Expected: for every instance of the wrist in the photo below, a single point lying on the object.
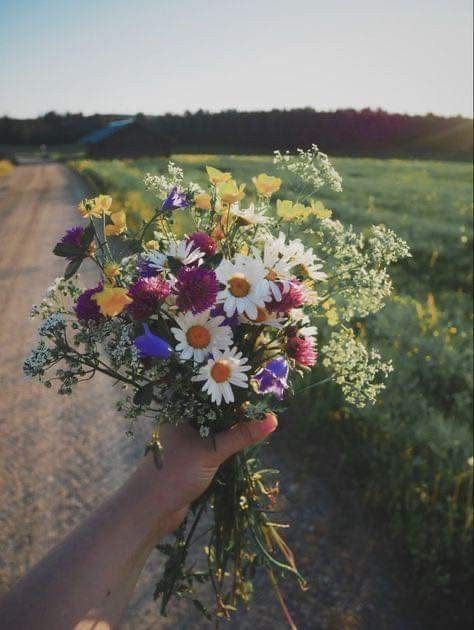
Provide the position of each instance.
(155, 503)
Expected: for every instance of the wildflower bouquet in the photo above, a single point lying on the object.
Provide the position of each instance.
(219, 325)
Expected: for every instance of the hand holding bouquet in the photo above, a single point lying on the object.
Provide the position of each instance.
(218, 325)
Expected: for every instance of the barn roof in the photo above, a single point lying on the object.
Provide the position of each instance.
(105, 132)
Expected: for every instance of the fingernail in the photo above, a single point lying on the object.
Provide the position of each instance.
(269, 423)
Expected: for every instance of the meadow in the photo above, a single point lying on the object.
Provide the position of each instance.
(410, 454)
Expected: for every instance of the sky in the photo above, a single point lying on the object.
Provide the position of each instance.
(157, 56)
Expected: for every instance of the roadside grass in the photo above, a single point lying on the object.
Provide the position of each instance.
(410, 454)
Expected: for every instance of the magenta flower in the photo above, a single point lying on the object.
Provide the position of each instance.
(293, 298)
(146, 294)
(86, 308)
(301, 350)
(202, 241)
(196, 289)
(73, 236)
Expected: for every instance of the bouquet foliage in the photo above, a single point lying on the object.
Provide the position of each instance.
(217, 325)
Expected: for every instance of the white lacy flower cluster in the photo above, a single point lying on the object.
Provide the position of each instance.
(162, 184)
(356, 369)
(55, 298)
(312, 167)
(39, 357)
(51, 325)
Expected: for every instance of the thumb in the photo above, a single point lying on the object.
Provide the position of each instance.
(244, 434)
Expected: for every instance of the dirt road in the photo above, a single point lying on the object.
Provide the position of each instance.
(59, 457)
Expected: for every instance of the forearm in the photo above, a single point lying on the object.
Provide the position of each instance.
(90, 576)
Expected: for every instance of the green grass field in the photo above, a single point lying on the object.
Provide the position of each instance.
(411, 453)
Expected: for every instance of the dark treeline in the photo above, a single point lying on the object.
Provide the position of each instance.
(343, 132)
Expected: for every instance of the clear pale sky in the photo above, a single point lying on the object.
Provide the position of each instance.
(155, 56)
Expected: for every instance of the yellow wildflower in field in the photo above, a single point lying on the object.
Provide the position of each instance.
(111, 301)
(111, 271)
(229, 192)
(118, 225)
(202, 201)
(266, 185)
(289, 211)
(216, 176)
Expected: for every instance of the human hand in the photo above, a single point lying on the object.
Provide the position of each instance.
(190, 462)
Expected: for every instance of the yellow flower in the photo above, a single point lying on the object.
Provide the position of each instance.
(88, 210)
(266, 185)
(118, 225)
(152, 244)
(111, 301)
(319, 211)
(332, 317)
(111, 271)
(202, 201)
(216, 176)
(102, 203)
(229, 192)
(288, 211)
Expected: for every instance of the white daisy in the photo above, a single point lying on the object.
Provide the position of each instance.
(223, 370)
(277, 265)
(199, 335)
(305, 260)
(182, 250)
(249, 216)
(245, 285)
(264, 318)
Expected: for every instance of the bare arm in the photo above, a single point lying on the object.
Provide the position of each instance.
(87, 580)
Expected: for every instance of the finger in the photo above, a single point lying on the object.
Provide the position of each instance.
(244, 434)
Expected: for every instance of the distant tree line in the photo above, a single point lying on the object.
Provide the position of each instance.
(342, 132)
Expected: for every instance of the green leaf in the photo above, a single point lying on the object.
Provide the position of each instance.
(144, 395)
(202, 609)
(72, 268)
(175, 264)
(214, 260)
(67, 250)
(87, 237)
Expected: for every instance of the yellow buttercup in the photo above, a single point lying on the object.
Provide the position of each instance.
(111, 300)
(289, 211)
(202, 201)
(216, 176)
(266, 185)
(118, 225)
(229, 192)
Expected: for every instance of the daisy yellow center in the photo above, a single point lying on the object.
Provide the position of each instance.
(239, 286)
(220, 371)
(271, 275)
(198, 337)
(261, 315)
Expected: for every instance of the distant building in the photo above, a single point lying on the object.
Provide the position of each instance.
(128, 138)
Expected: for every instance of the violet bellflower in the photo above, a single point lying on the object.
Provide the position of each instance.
(175, 199)
(272, 379)
(151, 345)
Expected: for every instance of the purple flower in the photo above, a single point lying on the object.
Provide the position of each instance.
(86, 308)
(196, 289)
(151, 345)
(232, 321)
(272, 379)
(145, 270)
(175, 199)
(202, 241)
(146, 294)
(73, 236)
